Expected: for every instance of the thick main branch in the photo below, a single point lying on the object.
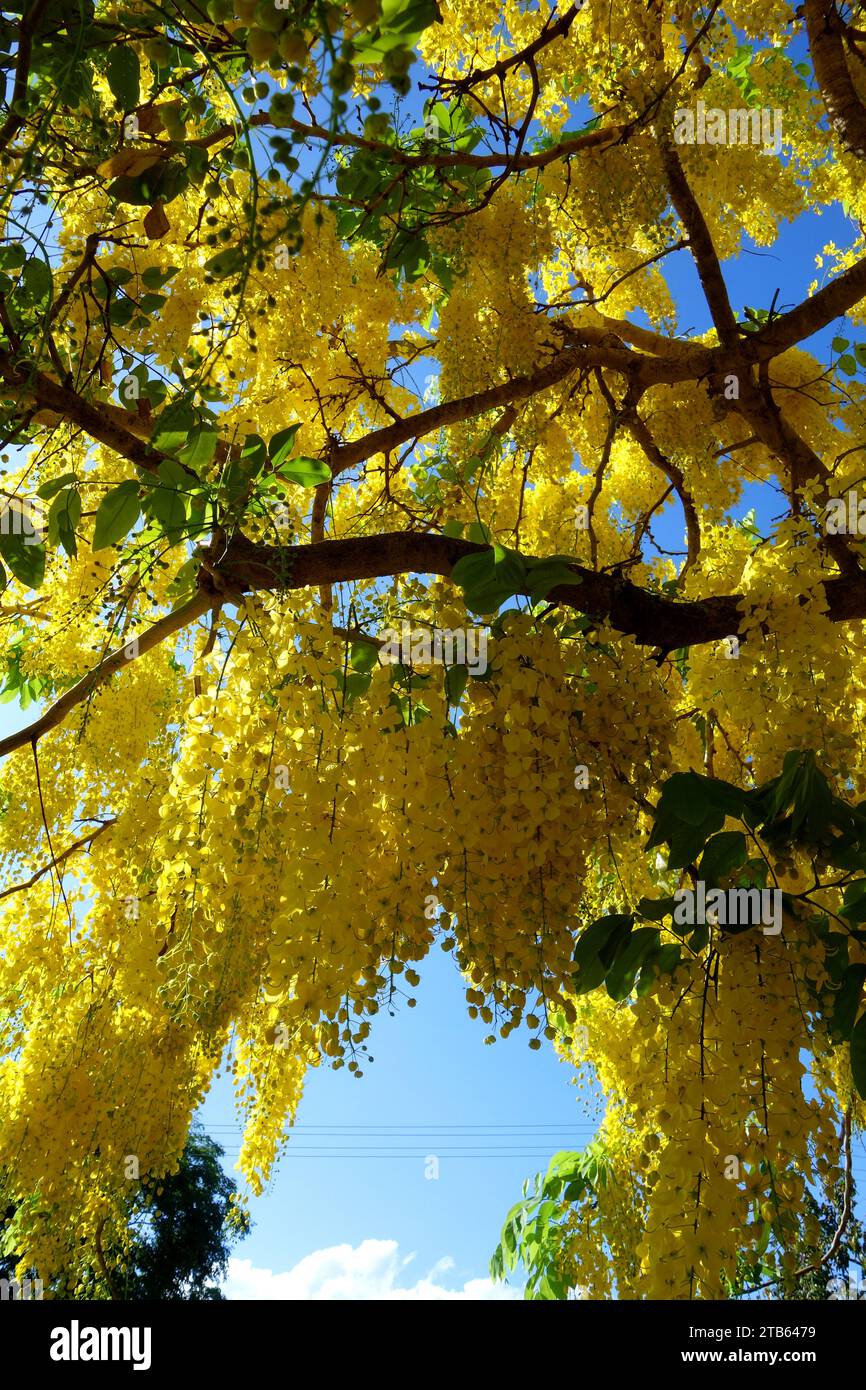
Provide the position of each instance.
(650, 618)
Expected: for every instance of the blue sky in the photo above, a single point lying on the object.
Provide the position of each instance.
(489, 1115)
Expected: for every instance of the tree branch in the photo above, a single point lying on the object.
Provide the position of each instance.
(96, 420)
(649, 617)
(640, 431)
(15, 120)
(700, 243)
(846, 111)
(60, 858)
(201, 602)
(245, 566)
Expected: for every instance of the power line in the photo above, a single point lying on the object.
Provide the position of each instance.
(400, 1124)
(348, 1154)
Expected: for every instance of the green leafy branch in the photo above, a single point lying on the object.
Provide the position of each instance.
(534, 1230)
(797, 809)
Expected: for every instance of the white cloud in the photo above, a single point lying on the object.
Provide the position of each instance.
(371, 1270)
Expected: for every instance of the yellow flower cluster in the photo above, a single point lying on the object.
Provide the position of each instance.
(239, 849)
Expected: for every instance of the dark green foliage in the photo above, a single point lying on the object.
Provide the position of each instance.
(181, 1238)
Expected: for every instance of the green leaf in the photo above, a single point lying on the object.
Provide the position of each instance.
(12, 257)
(647, 975)
(846, 1001)
(656, 908)
(699, 939)
(199, 451)
(116, 515)
(121, 313)
(25, 558)
(167, 508)
(471, 570)
(409, 252)
(692, 796)
(741, 60)
(600, 934)
(620, 978)
(489, 577)
(409, 17)
(183, 584)
(226, 262)
(723, 853)
(50, 489)
(858, 1057)
(597, 948)
(764, 1238)
(775, 795)
(667, 958)
(280, 447)
(37, 280)
(172, 474)
(123, 74)
(590, 976)
(411, 711)
(363, 656)
(545, 575)
(854, 901)
(453, 529)
(306, 472)
(509, 1246)
(691, 808)
(173, 426)
(402, 22)
(254, 455)
(63, 517)
(162, 182)
(155, 277)
(686, 841)
(150, 304)
(848, 364)
(813, 800)
(839, 344)
(351, 684)
(456, 678)
(167, 501)
(573, 1191)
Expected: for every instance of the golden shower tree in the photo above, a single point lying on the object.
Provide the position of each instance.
(322, 319)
